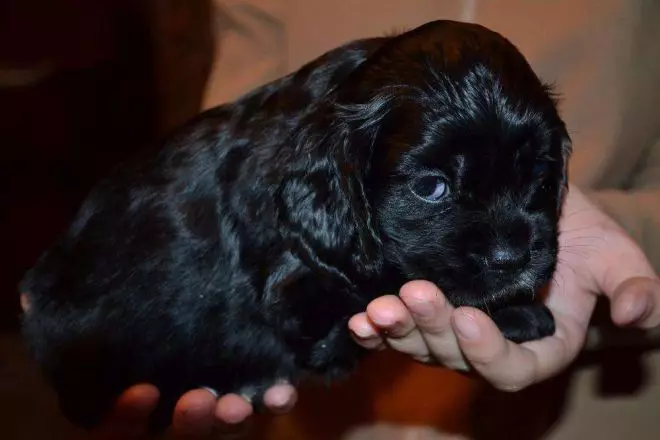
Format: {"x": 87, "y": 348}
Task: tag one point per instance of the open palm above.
{"x": 595, "y": 257}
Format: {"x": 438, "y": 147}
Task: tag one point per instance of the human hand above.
{"x": 197, "y": 415}
{"x": 595, "y": 257}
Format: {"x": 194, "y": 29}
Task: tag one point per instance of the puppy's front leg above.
{"x": 525, "y": 323}
{"x": 336, "y": 356}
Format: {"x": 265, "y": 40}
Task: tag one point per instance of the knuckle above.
{"x": 486, "y": 359}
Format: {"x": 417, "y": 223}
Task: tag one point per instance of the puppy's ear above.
{"x": 362, "y": 123}
{"x": 323, "y": 201}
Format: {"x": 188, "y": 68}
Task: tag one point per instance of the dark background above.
{"x": 83, "y": 85}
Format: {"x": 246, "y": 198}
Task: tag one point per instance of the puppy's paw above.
{"x": 525, "y": 323}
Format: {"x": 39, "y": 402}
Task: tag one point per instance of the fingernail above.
{"x": 637, "y": 309}
{"x": 212, "y": 391}
{"x": 423, "y": 309}
{"x": 466, "y": 326}
{"x": 248, "y": 393}
{"x": 279, "y": 400}
{"x": 363, "y": 332}
{"x": 282, "y": 407}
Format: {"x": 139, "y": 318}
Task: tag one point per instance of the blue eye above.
{"x": 430, "y": 188}
{"x": 540, "y": 170}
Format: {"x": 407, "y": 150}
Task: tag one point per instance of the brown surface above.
{"x": 388, "y": 388}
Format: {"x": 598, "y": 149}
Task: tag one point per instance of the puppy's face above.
{"x": 472, "y": 206}
{"x": 467, "y": 177}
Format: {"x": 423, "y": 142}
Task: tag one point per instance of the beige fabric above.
{"x": 602, "y": 55}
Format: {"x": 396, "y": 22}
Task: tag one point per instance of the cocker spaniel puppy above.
{"x": 234, "y": 254}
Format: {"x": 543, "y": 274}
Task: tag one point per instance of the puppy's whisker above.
{"x": 583, "y": 253}
{"x": 485, "y": 304}
{"x": 576, "y": 229}
{"x": 578, "y": 211}
{"x": 567, "y": 247}
{"x": 583, "y": 244}
{"x": 561, "y": 284}
{"x": 578, "y": 243}
{"x": 563, "y": 263}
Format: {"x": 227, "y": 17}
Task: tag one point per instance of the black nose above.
{"x": 507, "y": 258}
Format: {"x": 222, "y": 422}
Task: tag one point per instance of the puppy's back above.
{"x": 155, "y": 279}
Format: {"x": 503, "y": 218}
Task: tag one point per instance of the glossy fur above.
{"x": 234, "y": 254}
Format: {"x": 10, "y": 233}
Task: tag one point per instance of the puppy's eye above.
{"x": 540, "y": 170}
{"x": 430, "y": 188}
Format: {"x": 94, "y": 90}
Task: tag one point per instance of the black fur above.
{"x": 235, "y": 253}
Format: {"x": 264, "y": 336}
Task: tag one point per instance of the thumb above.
{"x": 610, "y": 257}
{"x": 636, "y": 302}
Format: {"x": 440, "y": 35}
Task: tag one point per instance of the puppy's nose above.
{"x": 506, "y": 258}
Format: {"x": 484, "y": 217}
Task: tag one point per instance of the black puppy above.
{"x": 235, "y": 254}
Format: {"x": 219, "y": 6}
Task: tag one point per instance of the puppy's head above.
{"x": 462, "y": 157}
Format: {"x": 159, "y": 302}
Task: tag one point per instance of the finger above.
{"x": 194, "y": 414}
{"x": 365, "y": 333}
{"x": 129, "y": 417}
{"x": 432, "y": 313}
{"x": 280, "y": 399}
{"x": 622, "y": 261}
{"x": 25, "y": 302}
{"x": 232, "y": 409}
{"x": 393, "y": 320}
{"x": 636, "y": 301}
{"x": 613, "y": 256}
{"x": 509, "y": 366}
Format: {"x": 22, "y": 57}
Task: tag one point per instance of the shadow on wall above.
{"x": 83, "y": 84}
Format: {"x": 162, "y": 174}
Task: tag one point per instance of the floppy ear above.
{"x": 322, "y": 199}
